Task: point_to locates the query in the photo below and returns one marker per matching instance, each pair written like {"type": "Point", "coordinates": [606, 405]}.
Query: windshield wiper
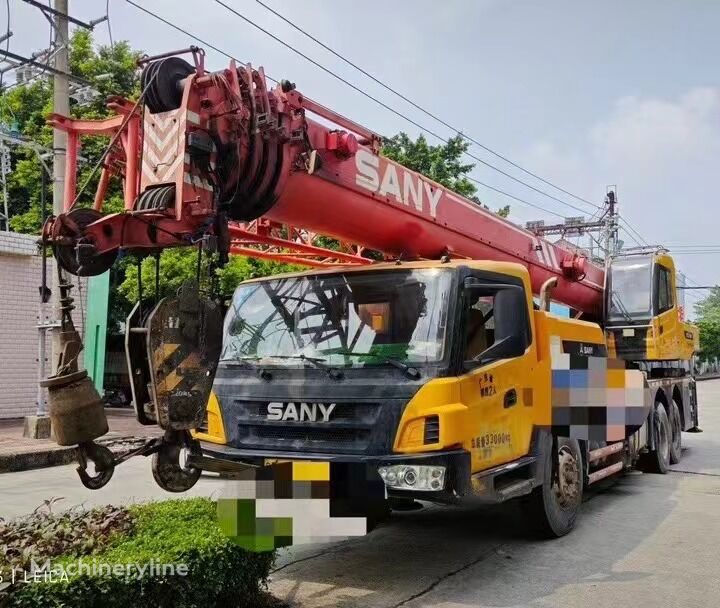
{"type": "Point", "coordinates": [244, 361]}
{"type": "Point", "coordinates": [334, 373]}
{"type": "Point", "coordinates": [238, 360]}
{"type": "Point", "coordinates": [411, 372]}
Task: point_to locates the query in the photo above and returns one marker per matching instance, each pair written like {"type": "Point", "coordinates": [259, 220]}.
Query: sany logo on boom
{"type": "Point", "coordinates": [405, 186]}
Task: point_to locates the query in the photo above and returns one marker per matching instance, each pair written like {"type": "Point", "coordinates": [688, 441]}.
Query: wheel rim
{"type": "Point", "coordinates": [567, 486]}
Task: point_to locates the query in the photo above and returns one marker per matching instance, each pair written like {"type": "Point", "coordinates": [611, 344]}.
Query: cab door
{"type": "Point", "coordinates": [497, 369]}
{"type": "Point", "coordinates": [665, 313]}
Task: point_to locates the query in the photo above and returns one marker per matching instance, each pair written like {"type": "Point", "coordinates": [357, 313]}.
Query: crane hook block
{"type": "Point", "coordinates": [183, 344]}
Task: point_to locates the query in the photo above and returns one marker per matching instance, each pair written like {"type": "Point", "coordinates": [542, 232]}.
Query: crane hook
{"type": "Point", "coordinates": [169, 472]}
{"type": "Point", "coordinates": [104, 462]}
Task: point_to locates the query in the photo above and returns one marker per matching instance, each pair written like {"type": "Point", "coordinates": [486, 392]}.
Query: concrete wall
{"type": "Point", "coordinates": [20, 277]}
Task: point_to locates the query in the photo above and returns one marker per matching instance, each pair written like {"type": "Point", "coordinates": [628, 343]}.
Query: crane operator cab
{"type": "Point", "coordinates": [643, 319]}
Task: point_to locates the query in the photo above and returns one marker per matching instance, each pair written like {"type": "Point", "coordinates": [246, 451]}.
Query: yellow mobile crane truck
{"type": "Point", "coordinates": [437, 375]}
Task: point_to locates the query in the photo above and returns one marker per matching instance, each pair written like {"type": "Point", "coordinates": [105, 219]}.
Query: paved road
{"type": "Point", "coordinates": [645, 540]}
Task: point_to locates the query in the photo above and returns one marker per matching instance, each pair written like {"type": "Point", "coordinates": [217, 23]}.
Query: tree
{"type": "Point", "coordinates": [24, 111]}
{"type": "Point", "coordinates": [441, 163]}
{"type": "Point", "coordinates": [708, 321]}
{"type": "Point", "coordinates": [180, 264]}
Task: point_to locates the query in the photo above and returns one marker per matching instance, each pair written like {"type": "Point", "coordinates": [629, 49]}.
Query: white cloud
{"type": "Point", "coordinates": [664, 156]}
{"type": "Point", "coordinates": [649, 135]}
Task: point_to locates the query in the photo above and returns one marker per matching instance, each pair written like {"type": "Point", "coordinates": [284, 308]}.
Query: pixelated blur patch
{"type": "Point", "coordinates": [593, 397]}
{"type": "Point", "coordinates": [290, 503]}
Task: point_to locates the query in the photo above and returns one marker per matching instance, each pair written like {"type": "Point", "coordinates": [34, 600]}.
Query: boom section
{"type": "Point", "coordinates": [205, 149]}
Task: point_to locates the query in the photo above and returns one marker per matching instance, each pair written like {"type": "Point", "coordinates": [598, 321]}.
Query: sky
{"type": "Point", "coordinates": [584, 94]}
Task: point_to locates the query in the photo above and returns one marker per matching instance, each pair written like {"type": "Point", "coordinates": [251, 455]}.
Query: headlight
{"type": "Point", "coordinates": [413, 477]}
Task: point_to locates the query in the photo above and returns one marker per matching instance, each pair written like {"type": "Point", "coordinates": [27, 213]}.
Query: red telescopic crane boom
{"type": "Point", "coordinates": [208, 148]}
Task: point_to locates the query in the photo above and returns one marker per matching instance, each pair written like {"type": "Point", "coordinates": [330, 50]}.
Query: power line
{"type": "Point", "coordinates": [698, 252]}
{"type": "Point", "coordinates": [229, 56]}
{"type": "Point", "coordinates": [109, 27]}
{"type": "Point", "coordinates": [638, 243]}
{"type": "Point", "coordinates": [635, 232]}
{"type": "Point", "coordinates": [419, 107]}
{"type": "Point", "coordinates": [389, 108]}
{"type": "Point", "coordinates": [193, 36]}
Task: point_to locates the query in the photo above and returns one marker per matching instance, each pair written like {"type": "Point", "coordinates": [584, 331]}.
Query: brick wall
{"type": "Point", "coordinates": [20, 277]}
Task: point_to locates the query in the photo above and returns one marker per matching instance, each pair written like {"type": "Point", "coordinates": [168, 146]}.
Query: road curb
{"type": "Point", "coordinates": [56, 456]}
{"type": "Point", "coordinates": [24, 461]}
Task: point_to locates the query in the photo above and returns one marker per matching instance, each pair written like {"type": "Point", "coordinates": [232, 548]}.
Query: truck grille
{"type": "Point", "coordinates": [353, 428]}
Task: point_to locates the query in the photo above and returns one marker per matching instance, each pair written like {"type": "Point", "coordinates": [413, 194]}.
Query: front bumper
{"type": "Point", "coordinates": [456, 462]}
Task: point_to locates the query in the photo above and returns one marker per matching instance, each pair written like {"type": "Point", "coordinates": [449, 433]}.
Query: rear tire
{"type": "Point", "coordinates": [658, 459]}
{"type": "Point", "coordinates": [553, 507]}
{"type": "Point", "coordinates": [676, 433]}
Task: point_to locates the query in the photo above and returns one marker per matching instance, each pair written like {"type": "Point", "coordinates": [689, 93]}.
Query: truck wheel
{"type": "Point", "coordinates": [553, 507]}
{"type": "Point", "coordinates": [658, 460]}
{"type": "Point", "coordinates": [676, 433]}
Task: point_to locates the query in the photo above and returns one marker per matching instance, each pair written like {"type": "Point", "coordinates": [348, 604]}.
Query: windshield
{"type": "Point", "coordinates": [344, 320]}
{"type": "Point", "coordinates": [629, 295]}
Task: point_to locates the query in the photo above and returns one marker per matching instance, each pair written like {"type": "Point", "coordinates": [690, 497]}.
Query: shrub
{"type": "Point", "coordinates": [155, 535]}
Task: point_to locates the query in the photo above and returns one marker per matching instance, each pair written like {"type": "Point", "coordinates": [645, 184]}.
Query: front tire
{"type": "Point", "coordinates": [553, 507]}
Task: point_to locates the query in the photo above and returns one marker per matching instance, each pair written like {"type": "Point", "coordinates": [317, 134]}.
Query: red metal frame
{"type": "Point", "coordinates": [263, 238]}
{"type": "Point", "coordinates": [121, 160]}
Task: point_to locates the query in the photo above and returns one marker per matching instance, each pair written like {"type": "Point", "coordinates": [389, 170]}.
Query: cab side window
{"type": "Point", "coordinates": [663, 290]}
{"type": "Point", "coordinates": [480, 326]}
{"type": "Point", "coordinates": [496, 325]}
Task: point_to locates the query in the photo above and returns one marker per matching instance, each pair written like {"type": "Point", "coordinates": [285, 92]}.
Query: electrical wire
{"type": "Point", "coordinates": [229, 56]}
{"type": "Point", "coordinates": [622, 228]}
{"type": "Point", "coordinates": [421, 108]}
{"type": "Point", "coordinates": [635, 232]}
{"type": "Point", "coordinates": [109, 27]}
{"type": "Point", "coordinates": [390, 108]}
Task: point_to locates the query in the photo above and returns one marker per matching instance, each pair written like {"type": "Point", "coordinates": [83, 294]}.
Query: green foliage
{"type": "Point", "coordinates": [708, 320]}
{"type": "Point", "coordinates": [179, 265]}
{"type": "Point", "coordinates": [241, 269]}
{"type": "Point", "coordinates": [441, 163]}
{"type": "Point", "coordinates": [25, 109]}
{"type": "Point", "coordinates": [70, 533]}
{"type": "Point", "coordinates": [219, 573]}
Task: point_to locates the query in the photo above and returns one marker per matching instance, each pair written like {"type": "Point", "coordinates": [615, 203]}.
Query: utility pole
{"type": "Point", "coordinates": [38, 426]}
{"type": "Point", "coordinates": [61, 105]}
{"type": "Point", "coordinates": [4, 171]}
{"type": "Point", "coordinates": [612, 222]}
{"type": "Point", "coordinates": [55, 62]}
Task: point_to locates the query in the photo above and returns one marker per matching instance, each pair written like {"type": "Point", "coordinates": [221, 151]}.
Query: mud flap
{"type": "Point", "coordinates": [184, 338]}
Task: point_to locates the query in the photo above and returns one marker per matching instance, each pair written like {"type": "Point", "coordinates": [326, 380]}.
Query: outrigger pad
{"type": "Point", "coordinates": [184, 341]}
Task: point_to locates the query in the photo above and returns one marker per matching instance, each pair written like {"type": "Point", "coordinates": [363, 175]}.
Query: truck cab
{"type": "Point", "coordinates": [643, 320]}
{"type": "Point", "coordinates": [380, 364]}
{"type": "Point", "coordinates": [437, 377]}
